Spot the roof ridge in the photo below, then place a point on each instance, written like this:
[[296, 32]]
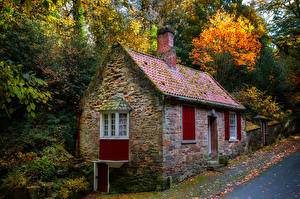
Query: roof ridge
[[161, 59], [141, 52]]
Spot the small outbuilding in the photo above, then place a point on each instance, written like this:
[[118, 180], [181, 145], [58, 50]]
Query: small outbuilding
[[146, 119]]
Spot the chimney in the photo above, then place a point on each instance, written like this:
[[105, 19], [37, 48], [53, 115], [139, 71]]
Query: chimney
[[165, 46]]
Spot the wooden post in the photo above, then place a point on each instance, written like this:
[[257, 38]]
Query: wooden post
[[95, 176], [263, 132]]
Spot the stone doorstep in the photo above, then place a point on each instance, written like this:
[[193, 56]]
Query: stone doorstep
[[212, 165], [212, 162]]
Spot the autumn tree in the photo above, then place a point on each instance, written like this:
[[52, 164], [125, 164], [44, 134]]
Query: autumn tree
[[110, 21], [284, 23], [284, 27], [226, 48], [233, 39], [194, 20], [258, 102]]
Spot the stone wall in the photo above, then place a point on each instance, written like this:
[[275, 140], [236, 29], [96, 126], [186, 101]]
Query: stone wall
[[254, 137], [121, 78], [184, 160], [227, 148]]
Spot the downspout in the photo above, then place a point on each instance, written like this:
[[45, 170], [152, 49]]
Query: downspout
[[79, 111]]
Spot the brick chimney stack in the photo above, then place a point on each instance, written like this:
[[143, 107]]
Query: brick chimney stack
[[165, 46]]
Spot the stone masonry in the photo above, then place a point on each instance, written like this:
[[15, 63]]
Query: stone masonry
[[182, 160], [121, 78]]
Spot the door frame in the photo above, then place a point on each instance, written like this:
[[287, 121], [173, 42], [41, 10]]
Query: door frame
[[210, 118]]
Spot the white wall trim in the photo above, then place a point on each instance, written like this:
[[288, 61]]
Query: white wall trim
[[117, 124], [117, 130]]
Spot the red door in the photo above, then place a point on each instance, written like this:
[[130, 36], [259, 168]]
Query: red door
[[102, 177]]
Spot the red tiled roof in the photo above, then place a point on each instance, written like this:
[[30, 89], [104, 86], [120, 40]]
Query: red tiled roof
[[183, 82]]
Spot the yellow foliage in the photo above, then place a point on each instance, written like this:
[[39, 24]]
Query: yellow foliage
[[251, 128], [260, 103], [109, 25], [73, 185]]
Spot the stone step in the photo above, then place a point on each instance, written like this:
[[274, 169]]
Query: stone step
[[213, 162], [213, 165]]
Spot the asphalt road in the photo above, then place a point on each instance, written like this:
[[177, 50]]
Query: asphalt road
[[280, 181]]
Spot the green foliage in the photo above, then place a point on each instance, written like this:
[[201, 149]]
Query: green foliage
[[22, 40], [19, 87], [68, 71], [14, 180], [41, 168], [284, 24], [54, 169], [284, 28], [153, 39], [270, 75], [223, 160]]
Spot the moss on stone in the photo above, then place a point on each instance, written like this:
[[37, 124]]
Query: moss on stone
[[114, 104], [129, 180]]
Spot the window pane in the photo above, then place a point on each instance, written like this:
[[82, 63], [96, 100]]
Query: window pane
[[105, 124], [232, 121], [113, 125], [123, 124]]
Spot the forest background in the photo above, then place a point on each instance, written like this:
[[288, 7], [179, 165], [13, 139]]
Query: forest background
[[50, 50]]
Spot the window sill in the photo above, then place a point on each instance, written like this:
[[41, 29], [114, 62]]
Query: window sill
[[233, 140], [188, 141], [114, 138]]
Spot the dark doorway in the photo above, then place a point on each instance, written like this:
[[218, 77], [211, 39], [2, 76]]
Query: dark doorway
[[102, 177], [212, 122]]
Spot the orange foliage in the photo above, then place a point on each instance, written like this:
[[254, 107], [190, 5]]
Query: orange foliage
[[225, 35]]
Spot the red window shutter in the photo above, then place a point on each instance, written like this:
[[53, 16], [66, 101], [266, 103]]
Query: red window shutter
[[188, 123], [239, 127], [226, 114]]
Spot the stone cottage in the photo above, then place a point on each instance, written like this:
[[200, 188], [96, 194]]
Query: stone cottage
[[146, 119]]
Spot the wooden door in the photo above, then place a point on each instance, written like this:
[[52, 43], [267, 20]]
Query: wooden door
[[213, 136], [102, 177]]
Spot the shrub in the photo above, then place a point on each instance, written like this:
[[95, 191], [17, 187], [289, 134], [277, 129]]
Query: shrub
[[73, 186], [57, 154], [40, 168], [223, 160], [14, 179]]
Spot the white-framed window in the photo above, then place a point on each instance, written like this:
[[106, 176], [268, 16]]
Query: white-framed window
[[232, 126], [114, 125]]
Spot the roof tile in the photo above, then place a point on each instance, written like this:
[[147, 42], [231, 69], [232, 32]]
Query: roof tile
[[183, 81]]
